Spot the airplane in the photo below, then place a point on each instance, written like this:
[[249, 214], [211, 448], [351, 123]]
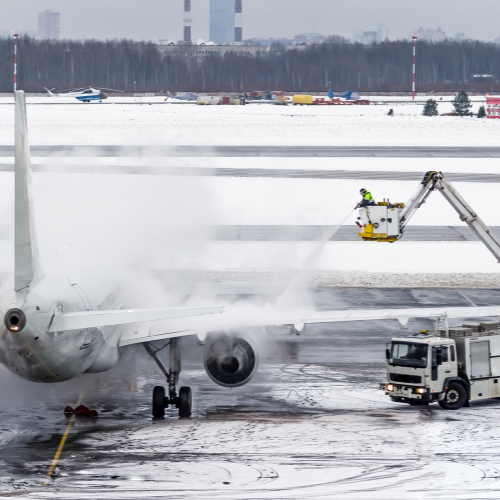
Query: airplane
[[54, 329], [348, 96], [189, 96], [85, 94]]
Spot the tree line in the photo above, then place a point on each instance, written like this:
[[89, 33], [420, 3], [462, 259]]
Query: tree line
[[140, 66]]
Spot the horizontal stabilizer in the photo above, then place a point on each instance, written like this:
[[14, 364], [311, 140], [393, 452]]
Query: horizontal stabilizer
[[97, 319]]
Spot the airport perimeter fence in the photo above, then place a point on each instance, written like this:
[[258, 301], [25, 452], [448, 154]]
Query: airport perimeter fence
[[142, 67]]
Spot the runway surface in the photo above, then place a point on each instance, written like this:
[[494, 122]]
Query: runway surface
[[281, 173], [264, 151], [312, 424]]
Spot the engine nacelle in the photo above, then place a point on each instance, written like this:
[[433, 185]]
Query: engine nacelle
[[231, 361]]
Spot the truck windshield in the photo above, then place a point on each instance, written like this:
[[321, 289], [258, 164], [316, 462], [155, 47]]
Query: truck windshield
[[408, 354]]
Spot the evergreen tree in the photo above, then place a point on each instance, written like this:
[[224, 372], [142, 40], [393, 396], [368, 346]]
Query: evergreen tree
[[481, 113], [391, 112], [462, 103], [430, 108]]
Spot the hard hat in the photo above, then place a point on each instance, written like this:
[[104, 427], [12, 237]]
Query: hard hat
[[362, 190]]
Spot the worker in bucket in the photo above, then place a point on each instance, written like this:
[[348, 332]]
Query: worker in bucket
[[367, 200]]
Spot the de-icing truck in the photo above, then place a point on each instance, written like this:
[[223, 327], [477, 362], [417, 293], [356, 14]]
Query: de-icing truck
[[450, 367], [454, 365]]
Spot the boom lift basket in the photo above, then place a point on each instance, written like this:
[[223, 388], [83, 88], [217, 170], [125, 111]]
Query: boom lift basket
[[380, 222], [386, 221]]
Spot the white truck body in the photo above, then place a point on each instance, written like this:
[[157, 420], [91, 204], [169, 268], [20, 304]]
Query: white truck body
[[422, 367]]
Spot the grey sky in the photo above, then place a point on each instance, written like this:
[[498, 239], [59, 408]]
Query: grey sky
[[152, 19]]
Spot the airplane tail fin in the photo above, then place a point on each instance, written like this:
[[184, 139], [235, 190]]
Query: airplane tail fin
[[26, 250], [49, 93], [330, 94]]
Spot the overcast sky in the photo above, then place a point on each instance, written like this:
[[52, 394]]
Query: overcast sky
[[153, 19]]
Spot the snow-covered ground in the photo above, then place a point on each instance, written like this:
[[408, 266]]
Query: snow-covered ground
[[245, 125], [123, 213], [301, 431]]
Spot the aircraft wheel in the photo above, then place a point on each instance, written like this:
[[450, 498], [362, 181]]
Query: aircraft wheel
[[159, 401], [455, 397], [185, 402]]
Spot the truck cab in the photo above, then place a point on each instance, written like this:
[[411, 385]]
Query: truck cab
[[450, 367]]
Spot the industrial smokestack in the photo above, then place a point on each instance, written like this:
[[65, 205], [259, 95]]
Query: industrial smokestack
[[238, 21], [187, 20]]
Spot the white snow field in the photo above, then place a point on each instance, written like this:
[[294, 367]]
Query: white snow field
[[117, 123], [74, 208]]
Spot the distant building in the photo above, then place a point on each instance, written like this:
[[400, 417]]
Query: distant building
[[49, 27], [222, 19], [431, 35], [369, 37], [267, 42], [309, 38], [382, 33], [202, 51], [460, 37], [366, 37]]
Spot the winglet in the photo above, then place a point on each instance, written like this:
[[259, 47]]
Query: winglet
[[26, 251]]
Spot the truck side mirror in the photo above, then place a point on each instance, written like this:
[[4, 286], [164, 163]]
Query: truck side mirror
[[387, 354]]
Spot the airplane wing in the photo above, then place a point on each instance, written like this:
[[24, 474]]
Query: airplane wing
[[234, 319], [402, 315], [97, 319]]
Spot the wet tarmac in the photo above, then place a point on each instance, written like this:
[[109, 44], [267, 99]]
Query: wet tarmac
[[277, 173], [311, 424]]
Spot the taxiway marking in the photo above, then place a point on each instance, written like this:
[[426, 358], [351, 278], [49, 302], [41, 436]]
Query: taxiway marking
[[61, 444]]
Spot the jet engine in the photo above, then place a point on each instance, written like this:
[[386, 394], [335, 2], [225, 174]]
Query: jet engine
[[231, 360]]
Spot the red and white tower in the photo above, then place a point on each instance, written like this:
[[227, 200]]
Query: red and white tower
[[187, 20], [238, 20], [15, 34], [414, 36]]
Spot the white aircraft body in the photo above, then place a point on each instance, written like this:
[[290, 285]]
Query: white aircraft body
[[53, 330], [86, 94]]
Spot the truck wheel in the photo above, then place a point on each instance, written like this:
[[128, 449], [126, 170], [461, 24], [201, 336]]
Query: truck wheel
[[455, 397]]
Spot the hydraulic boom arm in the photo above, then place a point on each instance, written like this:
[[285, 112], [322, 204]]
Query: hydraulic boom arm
[[378, 217], [465, 211]]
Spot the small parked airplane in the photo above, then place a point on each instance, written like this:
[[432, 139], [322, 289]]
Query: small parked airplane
[[348, 96], [54, 330], [188, 96], [85, 94]]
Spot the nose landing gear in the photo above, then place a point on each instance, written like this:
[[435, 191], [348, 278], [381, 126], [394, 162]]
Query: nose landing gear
[[182, 401]]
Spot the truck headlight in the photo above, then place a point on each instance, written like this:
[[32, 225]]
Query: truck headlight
[[420, 390], [390, 387]]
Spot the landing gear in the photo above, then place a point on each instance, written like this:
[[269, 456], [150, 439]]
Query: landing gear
[[159, 401], [183, 401]]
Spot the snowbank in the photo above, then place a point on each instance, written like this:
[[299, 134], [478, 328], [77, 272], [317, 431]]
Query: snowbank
[[247, 125]]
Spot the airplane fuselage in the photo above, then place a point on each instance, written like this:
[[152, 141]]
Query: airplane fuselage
[[35, 353], [88, 97]]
